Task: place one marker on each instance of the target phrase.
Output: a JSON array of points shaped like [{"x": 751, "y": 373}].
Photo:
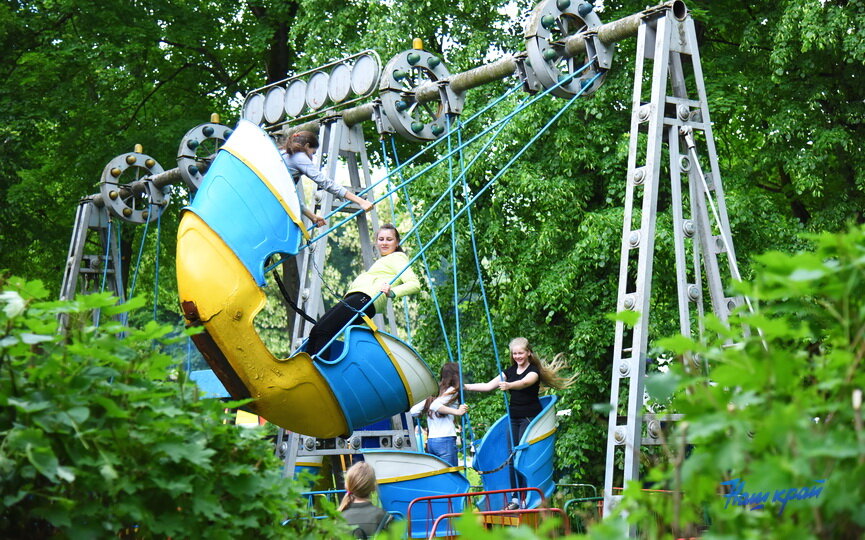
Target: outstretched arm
[
  {"x": 363, "y": 203},
  {"x": 526, "y": 381},
  {"x": 485, "y": 387},
  {"x": 306, "y": 166}
]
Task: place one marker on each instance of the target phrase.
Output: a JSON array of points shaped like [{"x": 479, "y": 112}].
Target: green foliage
[
  {"x": 83, "y": 83},
  {"x": 98, "y": 442},
  {"x": 777, "y": 409}
]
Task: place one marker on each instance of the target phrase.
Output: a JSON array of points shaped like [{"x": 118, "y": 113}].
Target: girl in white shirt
[{"x": 440, "y": 411}]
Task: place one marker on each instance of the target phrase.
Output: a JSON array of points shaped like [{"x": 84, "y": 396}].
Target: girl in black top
[{"x": 523, "y": 380}]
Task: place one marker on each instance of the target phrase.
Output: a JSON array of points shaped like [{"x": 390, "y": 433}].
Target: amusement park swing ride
[{"x": 245, "y": 222}]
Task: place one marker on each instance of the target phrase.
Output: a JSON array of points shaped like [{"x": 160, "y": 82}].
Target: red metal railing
[
  {"x": 504, "y": 514},
  {"x": 486, "y": 499}
]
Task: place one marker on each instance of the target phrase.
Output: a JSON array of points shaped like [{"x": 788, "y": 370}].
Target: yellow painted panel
[
  {"x": 245, "y": 418},
  {"x": 290, "y": 392},
  {"x": 419, "y": 475}
]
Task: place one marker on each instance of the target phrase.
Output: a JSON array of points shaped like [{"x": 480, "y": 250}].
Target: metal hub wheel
[
  {"x": 123, "y": 193},
  {"x": 551, "y": 23},
  {"x": 401, "y": 76}
]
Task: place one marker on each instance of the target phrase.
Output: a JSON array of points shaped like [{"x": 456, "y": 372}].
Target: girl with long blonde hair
[
  {"x": 523, "y": 379},
  {"x": 356, "y": 506}
]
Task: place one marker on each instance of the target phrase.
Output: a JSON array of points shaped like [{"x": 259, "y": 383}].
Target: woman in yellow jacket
[{"x": 358, "y": 299}]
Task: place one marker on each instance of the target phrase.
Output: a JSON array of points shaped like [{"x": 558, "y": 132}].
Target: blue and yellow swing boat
[
  {"x": 246, "y": 211},
  {"x": 405, "y": 476}
]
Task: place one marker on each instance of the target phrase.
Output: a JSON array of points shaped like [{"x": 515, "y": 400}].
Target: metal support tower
[
  {"x": 338, "y": 140},
  {"x": 90, "y": 259},
  {"x": 669, "y": 106}
]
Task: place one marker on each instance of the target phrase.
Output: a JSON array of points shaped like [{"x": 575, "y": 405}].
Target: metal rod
[
  {"x": 165, "y": 178},
  {"x": 622, "y": 29},
  {"x": 611, "y": 32},
  {"x": 502, "y": 68}
]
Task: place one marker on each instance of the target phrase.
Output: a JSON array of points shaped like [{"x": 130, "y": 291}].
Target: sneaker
[{"x": 512, "y": 506}]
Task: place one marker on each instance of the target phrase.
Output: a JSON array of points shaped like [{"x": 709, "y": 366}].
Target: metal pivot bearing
[
  {"x": 126, "y": 192},
  {"x": 400, "y": 78},
  {"x": 551, "y": 23},
  {"x": 198, "y": 147}
]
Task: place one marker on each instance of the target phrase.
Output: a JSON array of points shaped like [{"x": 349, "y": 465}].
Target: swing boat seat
[
  {"x": 374, "y": 375},
  {"x": 404, "y": 476},
  {"x": 532, "y": 456},
  {"x": 244, "y": 212}
]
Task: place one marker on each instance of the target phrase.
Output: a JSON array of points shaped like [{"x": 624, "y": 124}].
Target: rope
[
  {"x": 105, "y": 263},
  {"x": 503, "y": 465},
  {"x": 507, "y": 166},
  {"x": 457, "y": 329},
  {"x": 500, "y": 124},
  {"x": 105, "y": 257},
  {"x": 406, "y": 314},
  {"x": 156, "y": 263},
  {"x": 138, "y": 262},
  {"x": 288, "y": 299},
  {"x": 454, "y": 248},
  {"x": 433, "y": 292},
  {"x": 495, "y": 178},
  {"x": 467, "y": 429},
  {"x": 523, "y": 105},
  {"x": 430, "y": 146}
]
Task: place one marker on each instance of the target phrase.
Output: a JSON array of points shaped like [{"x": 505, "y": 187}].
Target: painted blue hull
[
  {"x": 245, "y": 214},
  {"x": 366, "y": 380},
  {"x": 532, "y": 459},
  {"x": 406, "y": 476}
]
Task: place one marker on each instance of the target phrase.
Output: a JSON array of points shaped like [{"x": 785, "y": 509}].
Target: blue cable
[
  {"x": 156, "y": 264},
  {"x": 486, "y": 186},
  {"x": 521, "y": 107},
  {"x": 425, "y": 261}
]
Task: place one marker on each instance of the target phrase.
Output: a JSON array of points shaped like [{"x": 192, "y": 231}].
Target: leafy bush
[
  {"x": 778, "y": 408},
  {"x": 97, "y": 443}
]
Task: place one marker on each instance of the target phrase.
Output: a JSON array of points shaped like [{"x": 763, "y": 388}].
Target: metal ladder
[
  {"x": 669, "y": 106},
  {"x": 84, "y": 269}
]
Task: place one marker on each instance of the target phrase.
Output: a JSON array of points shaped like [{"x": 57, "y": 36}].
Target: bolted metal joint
[
  {"x": 629, "y": 302},
  {"x": 624, "y": 368}
]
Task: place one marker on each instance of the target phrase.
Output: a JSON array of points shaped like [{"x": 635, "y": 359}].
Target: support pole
[{"x": 669, "y": 121}]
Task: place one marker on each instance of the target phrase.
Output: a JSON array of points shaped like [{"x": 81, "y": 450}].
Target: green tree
[
  {"x": 84, "y": 82},
  {"x": 781, "y": 409},
  {"x": 100, "y": 439}
]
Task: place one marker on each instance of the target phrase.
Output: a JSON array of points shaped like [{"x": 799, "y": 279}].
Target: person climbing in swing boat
[{"x": 383, "y": 276}]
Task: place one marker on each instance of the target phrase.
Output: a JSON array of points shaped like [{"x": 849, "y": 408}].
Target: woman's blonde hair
[
  {"x": 549, "y": 373},
  {"x": 359, "y": 483}
]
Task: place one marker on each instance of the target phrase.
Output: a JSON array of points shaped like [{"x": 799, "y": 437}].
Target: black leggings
[
  {"x": 518, "y": 427},
  {"x": 345, "y": 312}
]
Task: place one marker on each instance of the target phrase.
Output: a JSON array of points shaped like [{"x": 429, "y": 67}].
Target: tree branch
[
  {"x": 152, "y": 92},
  {"x": 218, "y": 69}
]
